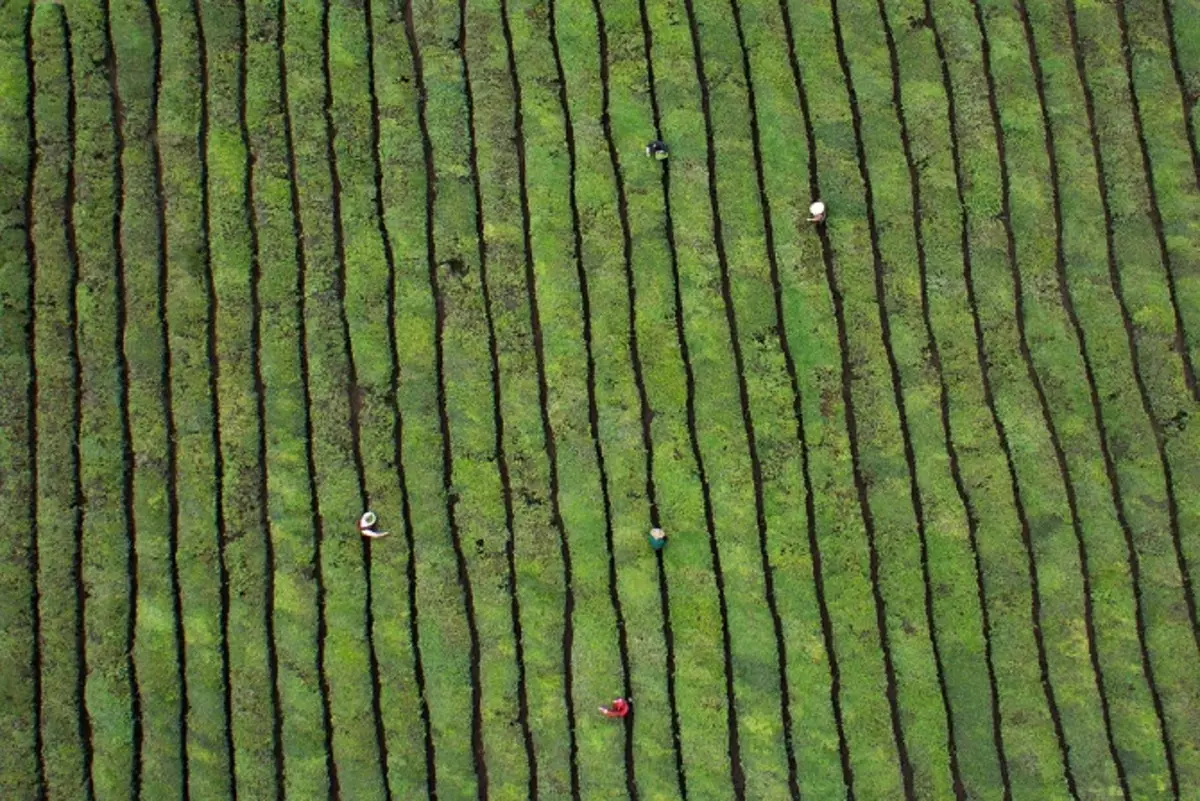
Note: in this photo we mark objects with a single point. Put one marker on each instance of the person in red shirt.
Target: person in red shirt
(618, 709)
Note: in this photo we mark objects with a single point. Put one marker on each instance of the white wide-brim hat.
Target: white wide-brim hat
(368, 519)
(816, 208)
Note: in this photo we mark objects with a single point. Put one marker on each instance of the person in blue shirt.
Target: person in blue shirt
(657, 150)
(658, 539)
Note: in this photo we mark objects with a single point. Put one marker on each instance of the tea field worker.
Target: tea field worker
(658, 539)
(657, 150)
(816, 212)
(618, 709)
(366, 526)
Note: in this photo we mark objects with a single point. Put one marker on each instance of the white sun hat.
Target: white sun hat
(367, 520)
(816, 208)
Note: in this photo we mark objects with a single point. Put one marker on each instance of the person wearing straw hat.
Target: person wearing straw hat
(816, 212)
(658, 539)
(366, 526)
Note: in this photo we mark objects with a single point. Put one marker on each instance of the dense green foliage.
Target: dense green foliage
(929, 469)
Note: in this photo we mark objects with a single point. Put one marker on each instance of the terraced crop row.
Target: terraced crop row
(926, 468)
